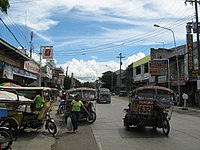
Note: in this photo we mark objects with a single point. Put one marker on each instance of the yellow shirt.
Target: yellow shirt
(76, 105)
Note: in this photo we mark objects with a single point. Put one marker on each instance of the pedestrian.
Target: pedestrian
(61, 105)
(76, 106)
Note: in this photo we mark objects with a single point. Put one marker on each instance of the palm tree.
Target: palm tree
(4, 5)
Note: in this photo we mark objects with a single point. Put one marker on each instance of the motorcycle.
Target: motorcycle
(61, 107)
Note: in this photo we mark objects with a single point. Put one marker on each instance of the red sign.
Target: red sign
(47, 52)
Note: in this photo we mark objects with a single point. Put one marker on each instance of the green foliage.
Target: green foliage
(88, 84)
(107, 80)
(67, 82)
(4, 5)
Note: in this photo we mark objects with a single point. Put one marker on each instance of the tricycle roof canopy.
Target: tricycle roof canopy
(153, 87)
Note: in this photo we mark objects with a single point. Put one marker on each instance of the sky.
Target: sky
(88, 35)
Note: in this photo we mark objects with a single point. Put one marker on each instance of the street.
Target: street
(108, 133)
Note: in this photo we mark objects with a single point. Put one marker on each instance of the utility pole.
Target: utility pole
(120, 77)
(72, 80)
(40, 75)
(67, 71)
(31, 45)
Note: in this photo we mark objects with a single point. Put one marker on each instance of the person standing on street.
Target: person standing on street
(76, 105)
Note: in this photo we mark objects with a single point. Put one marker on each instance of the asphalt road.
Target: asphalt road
(111, 135)
(108, 133)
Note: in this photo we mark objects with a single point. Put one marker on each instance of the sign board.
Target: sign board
(158, 67)
(198, 83)
(32, 67)
(8, 71)
(47, 52)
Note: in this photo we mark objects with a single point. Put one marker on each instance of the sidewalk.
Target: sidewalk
(194, 109)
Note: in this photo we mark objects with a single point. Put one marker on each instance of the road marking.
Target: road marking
(98, 143)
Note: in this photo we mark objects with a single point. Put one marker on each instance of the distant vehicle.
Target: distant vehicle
(123, 93)
(104, 95)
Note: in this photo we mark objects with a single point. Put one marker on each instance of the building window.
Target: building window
(138, 70)
(146, 68)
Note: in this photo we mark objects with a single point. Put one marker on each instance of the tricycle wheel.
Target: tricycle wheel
(6, 138)
(91, 117)
(51, 127)
(12, 126)
(127, 126)
(155, 127)
(165, 127)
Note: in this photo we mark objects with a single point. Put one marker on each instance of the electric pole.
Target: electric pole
(31, 45)
(120, 77)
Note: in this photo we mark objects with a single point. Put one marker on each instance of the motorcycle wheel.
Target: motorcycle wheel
(155, 127)
(12, 126)
(6, 138)
(165, 127)
(51, 127)
(91, 117)
(126, 124)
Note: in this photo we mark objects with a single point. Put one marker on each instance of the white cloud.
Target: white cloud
(91, 70)
(39, 14)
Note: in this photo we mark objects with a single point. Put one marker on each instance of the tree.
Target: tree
(88, 84)
(4, 5)
(67, 82)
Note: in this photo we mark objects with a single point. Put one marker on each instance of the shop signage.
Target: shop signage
(32, 67)
(191, 71)
(158, 67)
(8, 71)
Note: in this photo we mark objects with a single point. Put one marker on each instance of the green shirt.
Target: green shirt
(39, 102)
(76, 105)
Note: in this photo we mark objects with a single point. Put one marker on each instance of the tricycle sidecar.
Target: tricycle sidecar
(22, 112)
(150, 106)
(88, 97)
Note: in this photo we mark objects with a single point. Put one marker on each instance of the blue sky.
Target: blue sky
(87, 36)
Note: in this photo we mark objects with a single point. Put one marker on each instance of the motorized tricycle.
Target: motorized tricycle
(150, 106)
(21, 115)
(88, 97)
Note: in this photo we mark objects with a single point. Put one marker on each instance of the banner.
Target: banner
(47, 52)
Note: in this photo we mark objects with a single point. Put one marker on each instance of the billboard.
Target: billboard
(158, 67)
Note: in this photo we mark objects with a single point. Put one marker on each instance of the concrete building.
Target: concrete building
(12, 61)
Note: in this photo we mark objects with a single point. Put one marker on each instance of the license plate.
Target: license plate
(145, 109)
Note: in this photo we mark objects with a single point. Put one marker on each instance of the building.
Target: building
(12, 61)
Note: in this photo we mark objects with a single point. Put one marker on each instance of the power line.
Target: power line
(11, 33)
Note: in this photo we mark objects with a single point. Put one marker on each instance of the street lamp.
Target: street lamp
(111, 78)
(177, 64)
